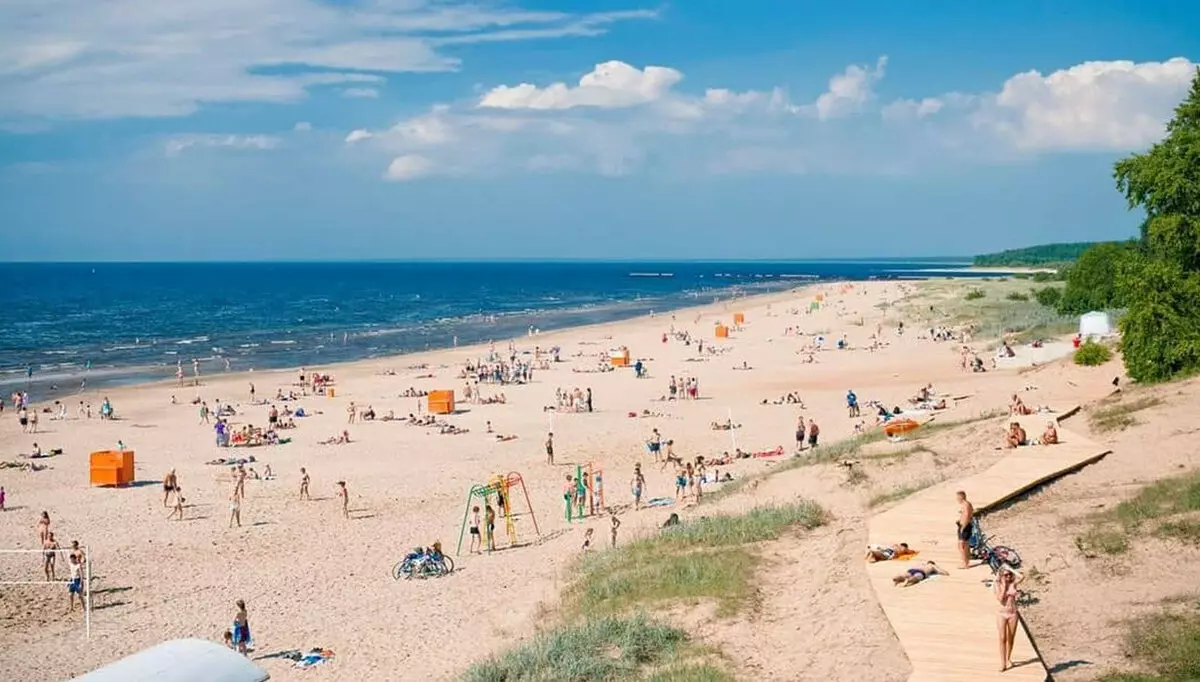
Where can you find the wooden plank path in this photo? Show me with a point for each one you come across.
(947, 625)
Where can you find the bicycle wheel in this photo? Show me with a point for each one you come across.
(398, 570)
(447, 564)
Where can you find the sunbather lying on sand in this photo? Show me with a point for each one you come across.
(725, 426)
(504, 439)
(878, 553)
(915, 575)
(336, 440)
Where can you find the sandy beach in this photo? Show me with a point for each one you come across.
(311, 578)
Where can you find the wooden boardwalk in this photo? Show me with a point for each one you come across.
(947, 625)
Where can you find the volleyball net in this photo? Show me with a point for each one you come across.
(48, 569)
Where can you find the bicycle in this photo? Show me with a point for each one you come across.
(422, 566)
(996, 556)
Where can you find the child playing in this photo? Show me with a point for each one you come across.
(587, 538)
(616, 523)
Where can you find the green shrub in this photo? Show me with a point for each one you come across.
(599, 649)
(1044, 276)
(1048, 296)
(1167, 643)
(975, 294)
(1092, 354)
(1017, 296)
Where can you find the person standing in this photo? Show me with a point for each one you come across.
(801, 430)
(75, 582)
(550, 449)
(814, 433)
(252, 391)
(49, 554)
(304, 481)
(489, 518)
(350, 412)
(966, 516)
(241, 628)
(616, 523)
(1005, 588)
(344, 493)
(170, 485)
(637, 486)
(589, 399)
(178, 510)
(235, 509)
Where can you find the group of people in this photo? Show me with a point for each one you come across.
(76, 560)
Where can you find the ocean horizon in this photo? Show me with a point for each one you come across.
(120, 323)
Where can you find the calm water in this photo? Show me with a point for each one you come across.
(134, 321)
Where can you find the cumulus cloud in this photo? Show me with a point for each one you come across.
(177, 145)
(1109, 105)
(408, 167)
(619, 118)
(849, 91)
(87, 59)
(611, 85)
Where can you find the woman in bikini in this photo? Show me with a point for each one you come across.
(1006, 619)
(915, 575)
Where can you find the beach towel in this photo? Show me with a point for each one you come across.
(660, 502)
(313, 658)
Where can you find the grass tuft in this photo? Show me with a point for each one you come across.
(598, 649)
(1167, 644)
(710, 558)
(1167, 508)
(1120, 415)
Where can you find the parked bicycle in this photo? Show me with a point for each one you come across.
(423, 563)
(996, 556)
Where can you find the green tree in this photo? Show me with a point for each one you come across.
(1092, 280)
(1161, 284)
(1160, 333)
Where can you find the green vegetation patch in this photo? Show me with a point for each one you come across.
(1169, 508)
(1032, 256)
(1120, 416)
(1167, 644)
(710, 558)
(1092, 354)
(613, 649)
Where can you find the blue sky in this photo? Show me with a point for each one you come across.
(302, 129)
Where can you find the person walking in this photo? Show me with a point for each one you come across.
(1005, 588)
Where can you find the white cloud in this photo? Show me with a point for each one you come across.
(177, 145)
(88, 59)
(1110, 105)
(358, 136)
(408, 167)
(849, 91)
(611, 85)
(302, 127)
(909, 109)
(360, 93)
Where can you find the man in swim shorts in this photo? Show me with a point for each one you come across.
(966, 514)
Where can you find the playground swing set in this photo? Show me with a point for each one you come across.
(499, 489)
(589, 491)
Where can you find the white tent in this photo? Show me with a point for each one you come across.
(180, 660)
(1094, 324)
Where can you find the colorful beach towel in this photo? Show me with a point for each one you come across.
(313, 658)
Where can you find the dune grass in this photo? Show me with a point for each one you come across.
(1168, 508)
(1167, 644)
(1004, 307)
(601, 649)
(901, 491)
(1119, 415)
(709, 558)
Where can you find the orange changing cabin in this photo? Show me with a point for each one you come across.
(739, 318)
(619, 358)
(111, 467)
(722, 331)
(441, 402)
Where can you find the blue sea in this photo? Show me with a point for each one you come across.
(122, 323)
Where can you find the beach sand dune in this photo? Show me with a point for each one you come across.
(311, 578)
